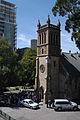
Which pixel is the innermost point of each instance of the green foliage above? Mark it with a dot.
(14, 72)
(28, 69)
(8, 64)
(7, 55)
(70, 9)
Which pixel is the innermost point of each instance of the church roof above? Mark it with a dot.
(71, 62)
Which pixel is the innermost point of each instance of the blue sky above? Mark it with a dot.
(28, 13)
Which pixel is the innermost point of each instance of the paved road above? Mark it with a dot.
(41, 114)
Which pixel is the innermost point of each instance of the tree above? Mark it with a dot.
(70, 9)
(8, 64)
(28, 68)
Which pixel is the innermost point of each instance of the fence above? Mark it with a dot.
(6, 116)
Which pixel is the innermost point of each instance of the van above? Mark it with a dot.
(64, 104)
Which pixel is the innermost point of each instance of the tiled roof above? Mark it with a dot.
(71, 63)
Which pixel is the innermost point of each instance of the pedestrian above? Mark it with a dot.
(9, 101)
(19, 103)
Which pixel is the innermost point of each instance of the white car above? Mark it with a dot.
(30, 104)
(64, 104)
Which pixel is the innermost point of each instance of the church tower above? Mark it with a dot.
(47, 61)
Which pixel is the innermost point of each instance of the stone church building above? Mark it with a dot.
(57, 73)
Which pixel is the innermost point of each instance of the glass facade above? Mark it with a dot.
(8, 22)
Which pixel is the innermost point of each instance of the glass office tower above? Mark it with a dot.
(8, 27)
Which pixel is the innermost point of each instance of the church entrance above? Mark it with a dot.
(42, 92)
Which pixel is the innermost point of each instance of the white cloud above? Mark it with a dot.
(67, 36)
(22, 37)
(23, 40)
(66, 43)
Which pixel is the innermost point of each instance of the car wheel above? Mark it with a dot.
(75, 108)
(59, 108)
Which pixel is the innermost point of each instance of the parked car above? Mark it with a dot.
(29, 103)
(64, 104)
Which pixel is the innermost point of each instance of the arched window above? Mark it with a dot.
(54, 62)
(54, 39)
(51, 38)
(40, 38)
(42, 51)
(44, 37)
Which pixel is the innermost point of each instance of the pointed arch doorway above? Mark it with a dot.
(42, 92)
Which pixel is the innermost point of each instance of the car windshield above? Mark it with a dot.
(31, 102)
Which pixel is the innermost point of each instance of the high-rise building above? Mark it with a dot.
(8, 22)
(33, 43)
